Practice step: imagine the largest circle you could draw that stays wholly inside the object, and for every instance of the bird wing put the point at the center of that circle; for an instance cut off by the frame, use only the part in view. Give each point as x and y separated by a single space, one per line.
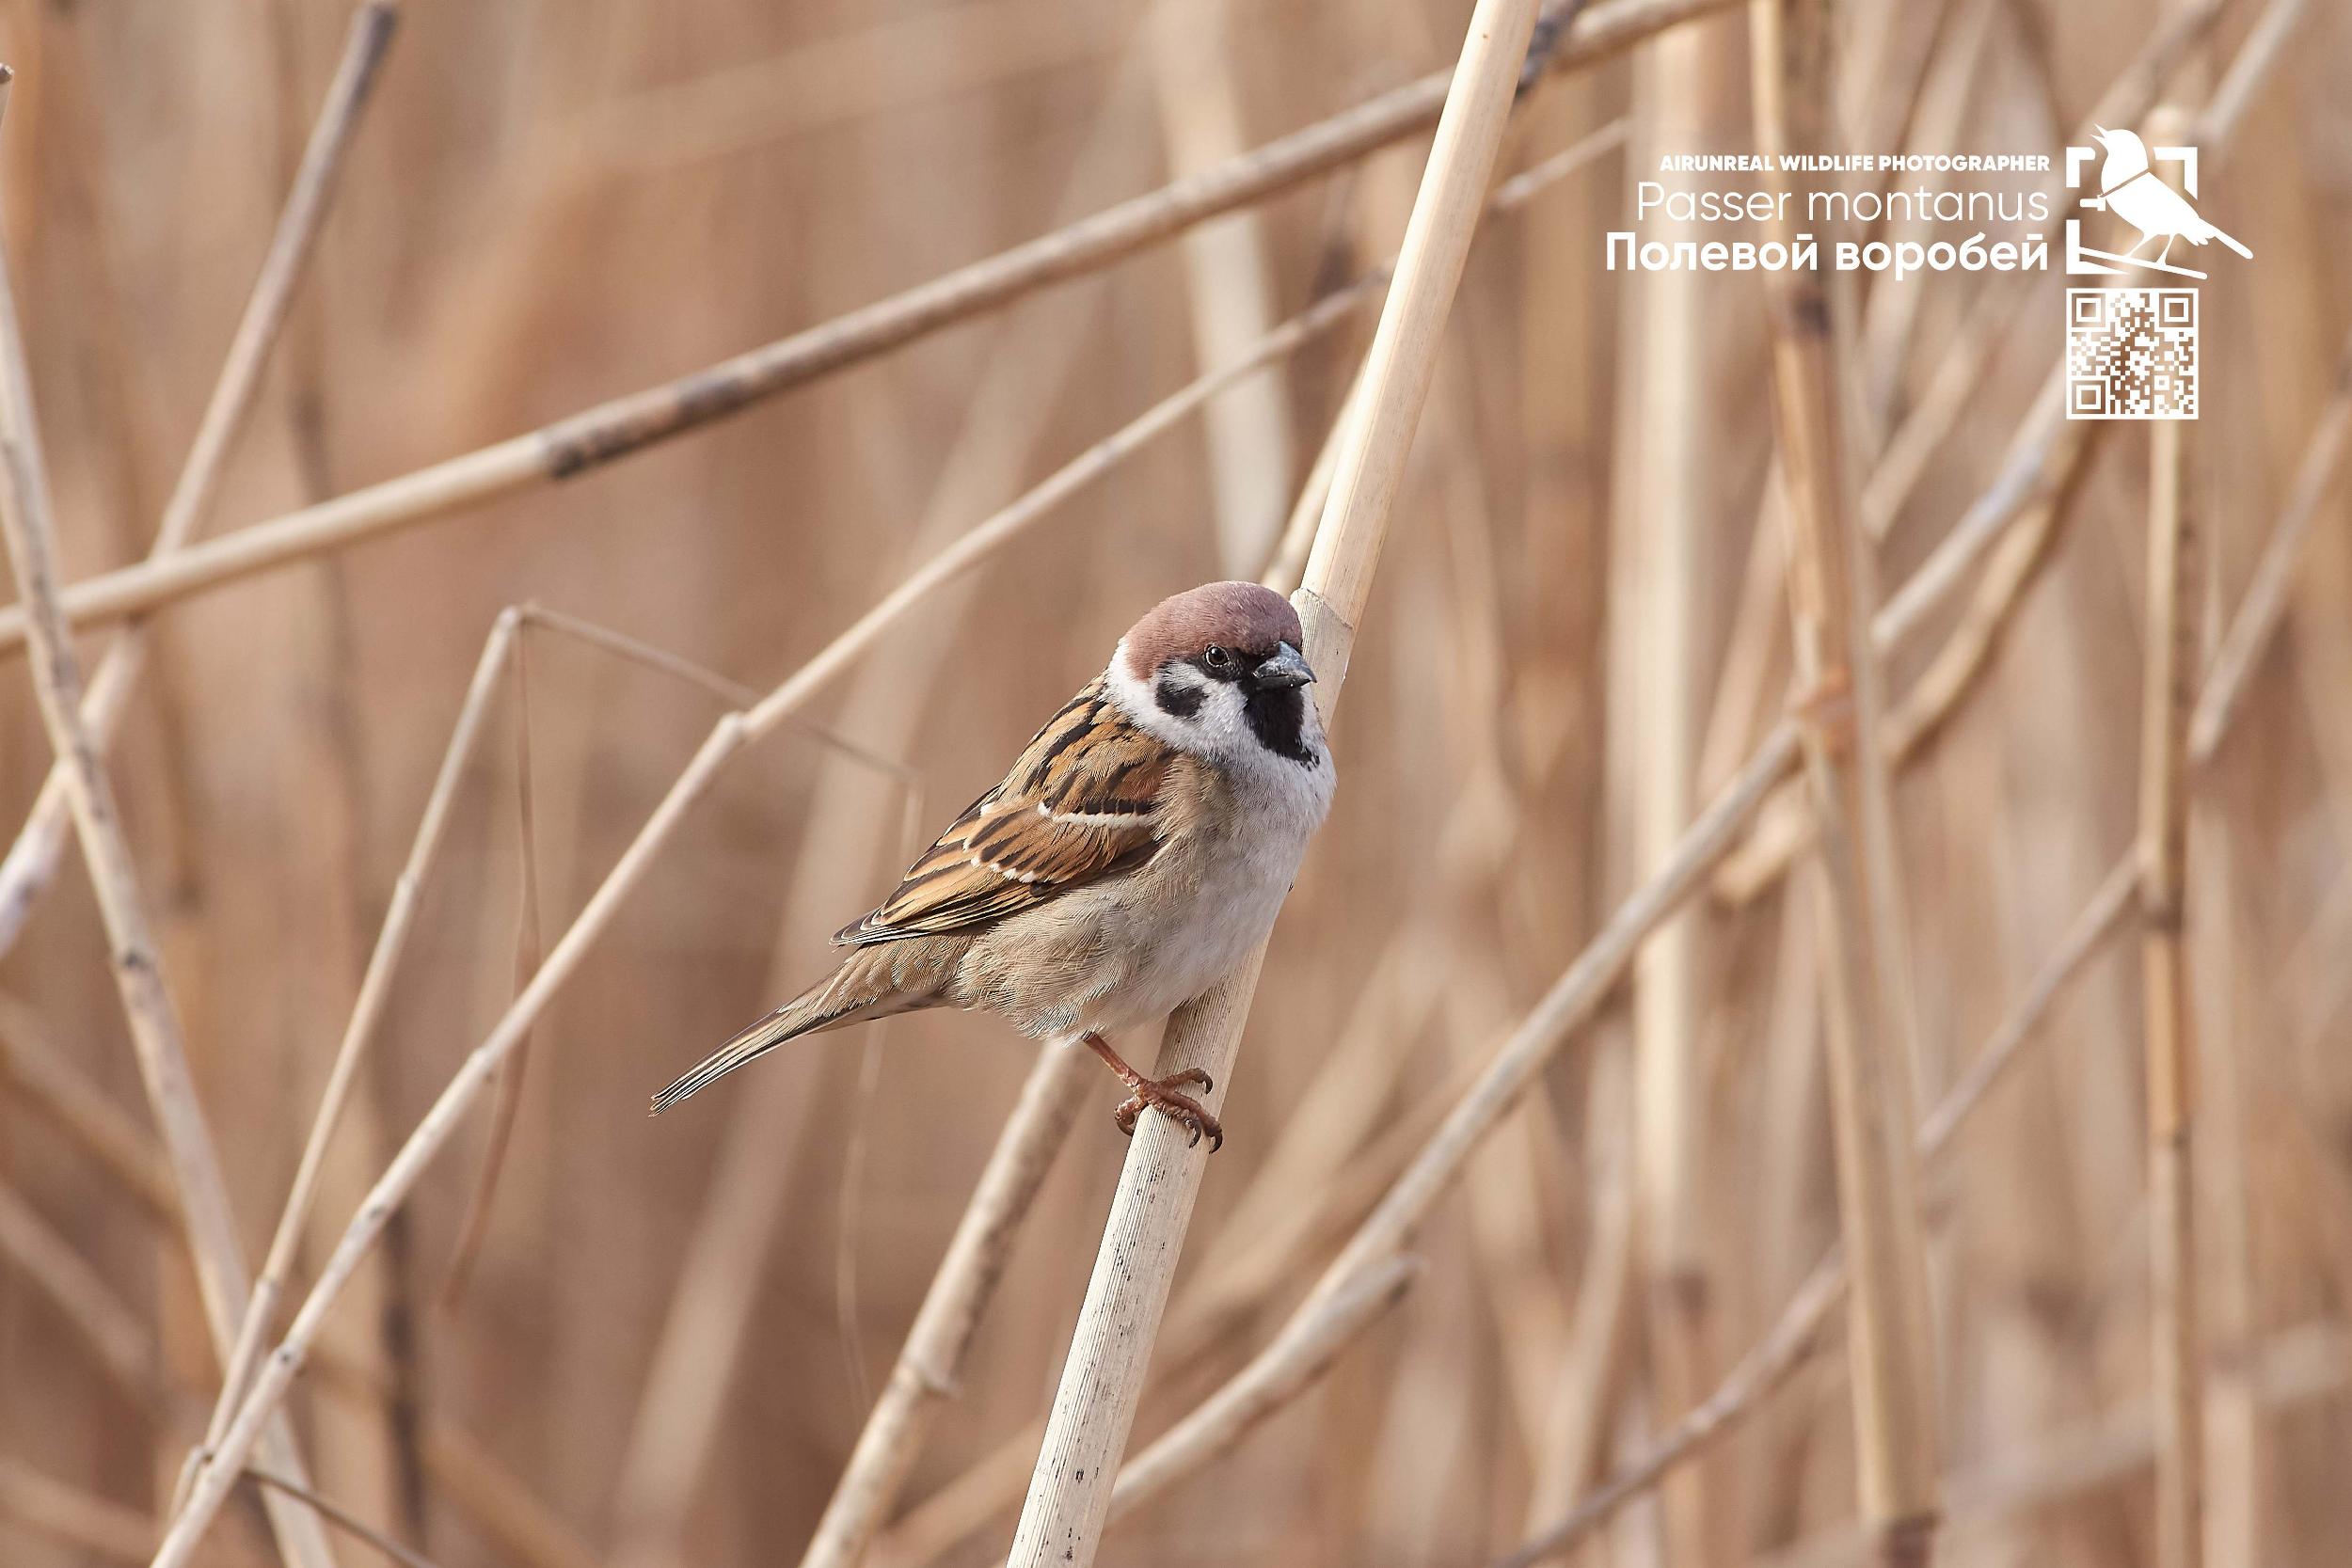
1082 801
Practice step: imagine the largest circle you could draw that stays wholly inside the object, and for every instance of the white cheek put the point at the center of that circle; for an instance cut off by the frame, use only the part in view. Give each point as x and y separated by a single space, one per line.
1222 724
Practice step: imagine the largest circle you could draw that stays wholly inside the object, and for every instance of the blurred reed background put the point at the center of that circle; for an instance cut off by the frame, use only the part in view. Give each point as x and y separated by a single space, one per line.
663 1337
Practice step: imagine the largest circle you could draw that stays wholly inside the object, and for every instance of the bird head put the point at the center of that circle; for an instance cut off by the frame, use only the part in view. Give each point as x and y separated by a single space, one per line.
1218 672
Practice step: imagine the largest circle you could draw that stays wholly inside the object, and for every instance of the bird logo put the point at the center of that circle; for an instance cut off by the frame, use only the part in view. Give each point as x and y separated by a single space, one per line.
2130 188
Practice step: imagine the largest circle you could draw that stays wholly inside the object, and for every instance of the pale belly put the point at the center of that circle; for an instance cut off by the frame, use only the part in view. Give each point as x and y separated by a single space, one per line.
1117 957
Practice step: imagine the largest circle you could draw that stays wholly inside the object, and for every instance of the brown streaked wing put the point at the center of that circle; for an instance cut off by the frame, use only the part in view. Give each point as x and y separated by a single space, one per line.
1081 802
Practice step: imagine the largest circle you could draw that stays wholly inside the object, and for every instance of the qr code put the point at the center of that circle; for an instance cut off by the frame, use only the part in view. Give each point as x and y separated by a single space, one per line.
2131 354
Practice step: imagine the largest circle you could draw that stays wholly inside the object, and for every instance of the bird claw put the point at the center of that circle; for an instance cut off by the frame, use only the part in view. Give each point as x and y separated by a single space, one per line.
1181 1108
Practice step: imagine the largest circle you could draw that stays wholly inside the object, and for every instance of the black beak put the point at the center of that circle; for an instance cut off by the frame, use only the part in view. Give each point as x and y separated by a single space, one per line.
1284 669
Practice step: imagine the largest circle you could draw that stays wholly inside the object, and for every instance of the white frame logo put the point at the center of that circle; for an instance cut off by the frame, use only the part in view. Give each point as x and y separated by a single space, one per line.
2129 187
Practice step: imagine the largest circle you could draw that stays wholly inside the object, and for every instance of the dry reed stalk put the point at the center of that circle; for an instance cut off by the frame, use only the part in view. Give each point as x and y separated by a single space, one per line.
1967 648
1320 1150
2034 472
1228 292
903 62
736 730
367 1014
1288 564
1264 1387
1102 1381
1950 390
47 1079
33 859
2296 1366
1866 982
2174 548
466 1474
2263 603
80 1521
931 1366
1937 111
1743 697
2258 54
1755 648
1662 613
211 1224
506 1513
1585 1386
1797 1331
1784 1347
341 1518
1509 1194
529 943
623 425
116 1337
2236 1009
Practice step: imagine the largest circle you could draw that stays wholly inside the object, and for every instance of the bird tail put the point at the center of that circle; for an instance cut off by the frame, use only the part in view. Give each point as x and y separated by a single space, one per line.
834 1001
2233 244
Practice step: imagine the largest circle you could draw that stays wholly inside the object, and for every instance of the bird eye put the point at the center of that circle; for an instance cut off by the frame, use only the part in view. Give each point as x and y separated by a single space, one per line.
1216 658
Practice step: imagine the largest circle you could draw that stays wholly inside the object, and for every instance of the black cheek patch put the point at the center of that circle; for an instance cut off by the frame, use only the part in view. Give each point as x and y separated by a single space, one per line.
1181 700
1278 715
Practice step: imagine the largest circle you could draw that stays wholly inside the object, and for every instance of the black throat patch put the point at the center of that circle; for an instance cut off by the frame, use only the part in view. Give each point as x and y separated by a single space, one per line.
1278 717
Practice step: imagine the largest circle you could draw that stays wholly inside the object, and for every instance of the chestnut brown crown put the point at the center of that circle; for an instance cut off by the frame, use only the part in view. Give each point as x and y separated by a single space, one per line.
1245 618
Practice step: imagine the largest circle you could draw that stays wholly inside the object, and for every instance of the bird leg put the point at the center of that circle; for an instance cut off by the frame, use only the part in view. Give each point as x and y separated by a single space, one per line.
2167 248
1160 1094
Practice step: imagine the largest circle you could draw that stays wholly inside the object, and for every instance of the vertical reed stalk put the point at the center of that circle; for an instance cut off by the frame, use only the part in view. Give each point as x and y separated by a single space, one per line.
1070 1494
1865 992
1226 290
2167 694
1687 87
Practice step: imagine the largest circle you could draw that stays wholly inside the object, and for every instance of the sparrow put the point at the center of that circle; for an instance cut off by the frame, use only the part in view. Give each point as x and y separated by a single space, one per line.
2130 189
1137 852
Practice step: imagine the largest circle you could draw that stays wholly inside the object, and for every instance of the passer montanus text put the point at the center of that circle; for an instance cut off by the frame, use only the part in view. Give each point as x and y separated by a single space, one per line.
1135 853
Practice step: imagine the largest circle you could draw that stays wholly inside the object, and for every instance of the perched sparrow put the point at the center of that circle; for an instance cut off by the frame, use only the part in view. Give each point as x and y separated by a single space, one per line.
1135 853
